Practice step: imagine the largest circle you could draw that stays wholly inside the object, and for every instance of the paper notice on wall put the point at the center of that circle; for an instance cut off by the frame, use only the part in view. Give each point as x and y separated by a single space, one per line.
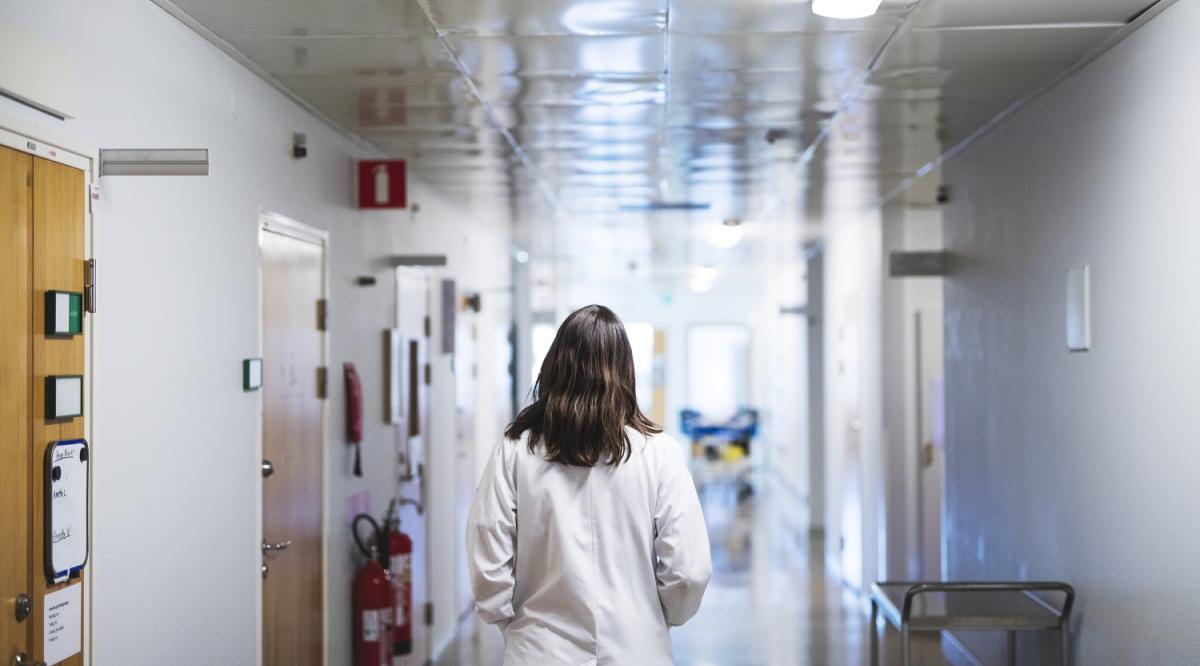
63 624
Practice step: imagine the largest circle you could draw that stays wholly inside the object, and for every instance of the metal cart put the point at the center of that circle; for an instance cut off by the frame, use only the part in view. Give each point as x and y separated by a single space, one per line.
973 606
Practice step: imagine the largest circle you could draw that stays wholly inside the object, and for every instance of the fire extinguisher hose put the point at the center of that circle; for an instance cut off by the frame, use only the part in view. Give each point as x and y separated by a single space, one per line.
372 552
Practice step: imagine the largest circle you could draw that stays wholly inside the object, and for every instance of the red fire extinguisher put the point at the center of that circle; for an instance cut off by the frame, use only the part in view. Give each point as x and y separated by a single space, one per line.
373 599
399 550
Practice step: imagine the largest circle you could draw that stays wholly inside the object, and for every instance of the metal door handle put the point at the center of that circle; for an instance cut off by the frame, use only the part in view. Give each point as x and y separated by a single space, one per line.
268 468
22 659
282 545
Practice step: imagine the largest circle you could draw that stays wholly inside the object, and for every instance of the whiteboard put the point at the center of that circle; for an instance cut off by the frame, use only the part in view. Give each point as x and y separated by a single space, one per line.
66 508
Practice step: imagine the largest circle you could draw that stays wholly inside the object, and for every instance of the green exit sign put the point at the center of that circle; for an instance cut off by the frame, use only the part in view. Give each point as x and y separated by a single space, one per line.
64 313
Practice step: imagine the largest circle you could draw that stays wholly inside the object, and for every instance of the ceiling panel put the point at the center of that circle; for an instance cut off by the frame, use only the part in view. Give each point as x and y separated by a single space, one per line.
569 55
774 52
969 13
233 19
766 16
532 17
345 56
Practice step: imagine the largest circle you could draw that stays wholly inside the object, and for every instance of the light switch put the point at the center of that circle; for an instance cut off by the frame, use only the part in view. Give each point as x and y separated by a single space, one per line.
251 374
64 397
1079 309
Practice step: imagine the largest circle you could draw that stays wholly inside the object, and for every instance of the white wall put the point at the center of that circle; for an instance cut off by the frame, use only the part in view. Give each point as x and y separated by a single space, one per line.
853 394
909 228
175 536
1082 467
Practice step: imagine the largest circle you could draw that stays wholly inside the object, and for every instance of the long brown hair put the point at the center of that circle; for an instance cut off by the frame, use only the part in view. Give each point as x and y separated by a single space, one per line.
585 395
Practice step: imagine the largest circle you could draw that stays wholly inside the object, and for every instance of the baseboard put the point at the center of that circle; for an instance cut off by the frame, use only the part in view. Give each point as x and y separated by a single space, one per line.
956 653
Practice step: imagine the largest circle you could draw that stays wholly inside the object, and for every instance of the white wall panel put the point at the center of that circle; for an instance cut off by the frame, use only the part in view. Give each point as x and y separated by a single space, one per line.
1082 467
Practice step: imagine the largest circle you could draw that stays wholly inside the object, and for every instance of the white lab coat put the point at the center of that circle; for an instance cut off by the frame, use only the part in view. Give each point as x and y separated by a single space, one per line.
582 565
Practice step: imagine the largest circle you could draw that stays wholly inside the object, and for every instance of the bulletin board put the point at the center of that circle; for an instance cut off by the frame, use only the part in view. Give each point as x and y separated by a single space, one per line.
66 506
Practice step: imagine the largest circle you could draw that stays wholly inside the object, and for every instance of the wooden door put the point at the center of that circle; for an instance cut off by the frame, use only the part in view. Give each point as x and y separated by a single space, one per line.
16 386
293 440
58 264
41 248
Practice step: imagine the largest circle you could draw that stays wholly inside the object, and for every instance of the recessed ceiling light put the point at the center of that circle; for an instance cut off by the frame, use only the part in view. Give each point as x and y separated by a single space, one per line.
845 9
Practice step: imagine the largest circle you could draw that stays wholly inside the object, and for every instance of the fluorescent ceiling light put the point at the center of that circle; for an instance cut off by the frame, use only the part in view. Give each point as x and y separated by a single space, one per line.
845 9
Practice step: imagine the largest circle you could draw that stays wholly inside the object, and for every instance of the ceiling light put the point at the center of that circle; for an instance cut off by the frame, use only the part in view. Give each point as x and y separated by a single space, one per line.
702 279
845 9
727 235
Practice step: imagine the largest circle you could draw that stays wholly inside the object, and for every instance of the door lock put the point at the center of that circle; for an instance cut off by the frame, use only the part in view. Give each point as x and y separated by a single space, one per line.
24 606
268 468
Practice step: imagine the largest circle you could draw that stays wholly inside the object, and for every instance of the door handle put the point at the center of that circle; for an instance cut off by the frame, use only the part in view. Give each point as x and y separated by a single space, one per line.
22 659
282 545
268 468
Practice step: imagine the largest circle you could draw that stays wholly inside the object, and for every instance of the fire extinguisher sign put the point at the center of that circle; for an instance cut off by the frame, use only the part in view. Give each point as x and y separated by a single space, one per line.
382 184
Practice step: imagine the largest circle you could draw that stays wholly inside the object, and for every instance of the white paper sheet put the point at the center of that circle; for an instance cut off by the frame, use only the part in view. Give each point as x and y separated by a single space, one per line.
64 624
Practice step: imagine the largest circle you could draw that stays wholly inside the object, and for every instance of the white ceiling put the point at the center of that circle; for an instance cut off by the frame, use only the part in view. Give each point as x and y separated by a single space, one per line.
566 110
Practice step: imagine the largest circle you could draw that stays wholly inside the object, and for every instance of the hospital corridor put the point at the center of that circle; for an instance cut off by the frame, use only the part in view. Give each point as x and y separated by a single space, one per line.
599 332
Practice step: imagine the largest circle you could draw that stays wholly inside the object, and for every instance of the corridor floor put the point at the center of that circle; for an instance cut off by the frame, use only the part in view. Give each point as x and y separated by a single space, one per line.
770 602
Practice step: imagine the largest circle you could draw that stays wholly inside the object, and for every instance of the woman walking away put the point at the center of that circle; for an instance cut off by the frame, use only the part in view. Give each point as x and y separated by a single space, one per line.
585 541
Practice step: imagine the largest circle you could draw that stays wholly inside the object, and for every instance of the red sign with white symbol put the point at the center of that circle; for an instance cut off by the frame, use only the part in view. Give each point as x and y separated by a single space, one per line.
381 184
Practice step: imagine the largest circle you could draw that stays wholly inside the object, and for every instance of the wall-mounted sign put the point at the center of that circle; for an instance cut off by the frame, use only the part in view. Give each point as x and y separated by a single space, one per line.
62 624
382 184
64 313
252 374
64 397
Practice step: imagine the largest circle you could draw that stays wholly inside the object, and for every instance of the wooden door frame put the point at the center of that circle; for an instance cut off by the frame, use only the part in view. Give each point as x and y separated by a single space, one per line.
38 140
272 222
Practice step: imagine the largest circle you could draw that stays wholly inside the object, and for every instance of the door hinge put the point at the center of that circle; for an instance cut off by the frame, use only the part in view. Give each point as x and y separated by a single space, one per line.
89 286
428 326
322 314
429 613
322 382
428 374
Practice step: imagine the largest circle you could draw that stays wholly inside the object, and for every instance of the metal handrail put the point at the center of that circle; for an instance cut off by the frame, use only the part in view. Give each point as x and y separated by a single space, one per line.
991 586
